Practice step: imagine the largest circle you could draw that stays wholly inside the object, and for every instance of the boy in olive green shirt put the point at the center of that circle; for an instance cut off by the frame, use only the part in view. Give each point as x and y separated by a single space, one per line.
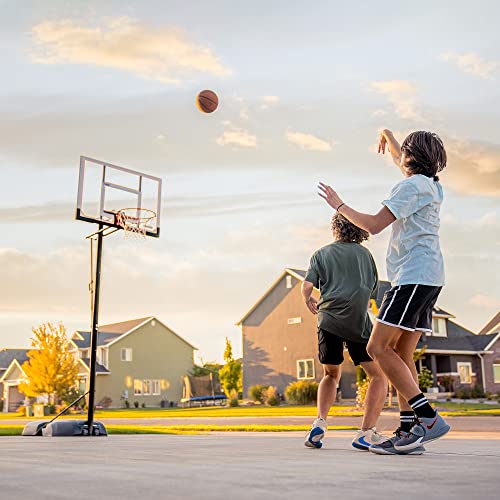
346 276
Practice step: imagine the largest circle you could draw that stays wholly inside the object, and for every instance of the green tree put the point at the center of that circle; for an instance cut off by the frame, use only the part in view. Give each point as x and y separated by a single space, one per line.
51 369
230 375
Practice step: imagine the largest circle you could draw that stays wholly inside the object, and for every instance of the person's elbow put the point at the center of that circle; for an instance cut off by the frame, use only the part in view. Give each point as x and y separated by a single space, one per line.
374 227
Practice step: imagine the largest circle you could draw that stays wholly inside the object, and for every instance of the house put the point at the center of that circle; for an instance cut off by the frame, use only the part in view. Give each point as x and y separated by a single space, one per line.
11 374
493 326
280 344
138 360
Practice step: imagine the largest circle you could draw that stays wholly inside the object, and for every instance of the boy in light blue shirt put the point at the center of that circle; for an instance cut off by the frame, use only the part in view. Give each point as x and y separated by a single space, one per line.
415 269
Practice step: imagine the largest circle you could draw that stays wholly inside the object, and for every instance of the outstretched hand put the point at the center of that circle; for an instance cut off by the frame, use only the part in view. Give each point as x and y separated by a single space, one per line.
329 195
382 143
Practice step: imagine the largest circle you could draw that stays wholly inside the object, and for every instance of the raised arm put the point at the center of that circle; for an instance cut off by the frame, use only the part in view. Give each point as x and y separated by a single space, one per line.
371 223
388 140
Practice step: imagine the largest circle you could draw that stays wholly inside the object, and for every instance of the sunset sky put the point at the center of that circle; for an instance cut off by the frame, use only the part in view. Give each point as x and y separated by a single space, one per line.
304 90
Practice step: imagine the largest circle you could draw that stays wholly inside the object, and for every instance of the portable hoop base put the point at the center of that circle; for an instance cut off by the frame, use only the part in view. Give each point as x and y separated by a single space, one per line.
64 428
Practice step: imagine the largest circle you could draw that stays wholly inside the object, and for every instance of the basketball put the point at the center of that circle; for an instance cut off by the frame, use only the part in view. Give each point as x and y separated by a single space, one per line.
207 101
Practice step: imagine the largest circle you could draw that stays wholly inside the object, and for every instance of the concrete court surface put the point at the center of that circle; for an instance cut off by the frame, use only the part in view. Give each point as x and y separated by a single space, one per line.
244 466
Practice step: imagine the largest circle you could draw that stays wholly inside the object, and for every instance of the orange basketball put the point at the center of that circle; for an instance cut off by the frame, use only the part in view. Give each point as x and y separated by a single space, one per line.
207 101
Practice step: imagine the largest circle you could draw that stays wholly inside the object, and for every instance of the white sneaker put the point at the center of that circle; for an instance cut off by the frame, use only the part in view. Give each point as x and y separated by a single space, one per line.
365 439
316 434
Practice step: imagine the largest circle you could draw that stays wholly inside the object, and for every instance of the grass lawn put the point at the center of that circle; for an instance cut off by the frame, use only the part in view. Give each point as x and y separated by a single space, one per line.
241 411
15 430
450 409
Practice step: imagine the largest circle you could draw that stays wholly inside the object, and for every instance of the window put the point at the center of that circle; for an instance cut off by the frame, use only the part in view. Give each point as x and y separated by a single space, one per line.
146 387
465 372
126 354
156 387
294 321
104 357
305 368
137 387
496 373
439 327
289 281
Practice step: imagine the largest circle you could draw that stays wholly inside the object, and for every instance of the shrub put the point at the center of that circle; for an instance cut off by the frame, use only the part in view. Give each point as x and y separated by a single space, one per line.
127 403
362 388
105 402
302 392
143 405
463 393
271 396
257 393
233 398
477 391
136 404
425 379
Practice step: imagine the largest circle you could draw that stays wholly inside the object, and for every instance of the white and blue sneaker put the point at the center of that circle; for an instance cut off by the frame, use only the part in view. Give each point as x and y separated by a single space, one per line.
364 440
424 431
316 434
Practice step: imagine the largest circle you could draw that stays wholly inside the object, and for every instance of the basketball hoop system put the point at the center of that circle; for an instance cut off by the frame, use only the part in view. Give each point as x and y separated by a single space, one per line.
135 225
102 189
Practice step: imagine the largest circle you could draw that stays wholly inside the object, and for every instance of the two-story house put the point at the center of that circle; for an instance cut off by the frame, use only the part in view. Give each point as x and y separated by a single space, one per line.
138 360
280 343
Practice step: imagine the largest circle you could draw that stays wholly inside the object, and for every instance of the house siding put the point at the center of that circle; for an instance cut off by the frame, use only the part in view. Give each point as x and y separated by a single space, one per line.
272 347
489 361
157 354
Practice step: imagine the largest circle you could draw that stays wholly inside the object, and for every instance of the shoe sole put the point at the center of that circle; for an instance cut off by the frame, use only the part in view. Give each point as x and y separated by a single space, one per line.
381 451
360 447
409 447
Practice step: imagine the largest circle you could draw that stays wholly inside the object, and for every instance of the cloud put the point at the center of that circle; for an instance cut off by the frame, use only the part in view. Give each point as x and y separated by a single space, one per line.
308 141
237 137
473 64
270 99
402 95
473 167
165 54
487 301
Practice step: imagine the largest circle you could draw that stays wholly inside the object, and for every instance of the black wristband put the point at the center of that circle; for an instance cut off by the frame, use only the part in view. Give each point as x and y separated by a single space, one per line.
338 208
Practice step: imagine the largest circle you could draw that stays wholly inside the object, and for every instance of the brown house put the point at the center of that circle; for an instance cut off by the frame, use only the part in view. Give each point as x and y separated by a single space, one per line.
280 339
280 345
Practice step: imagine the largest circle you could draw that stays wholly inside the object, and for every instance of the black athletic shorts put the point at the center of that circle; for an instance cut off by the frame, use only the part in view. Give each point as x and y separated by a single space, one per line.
331 349
409 307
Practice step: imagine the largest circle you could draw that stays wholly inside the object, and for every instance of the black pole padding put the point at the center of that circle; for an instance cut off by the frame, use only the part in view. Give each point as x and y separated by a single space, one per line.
94 333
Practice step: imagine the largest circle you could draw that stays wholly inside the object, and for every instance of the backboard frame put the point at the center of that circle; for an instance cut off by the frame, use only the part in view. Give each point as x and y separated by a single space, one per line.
108 217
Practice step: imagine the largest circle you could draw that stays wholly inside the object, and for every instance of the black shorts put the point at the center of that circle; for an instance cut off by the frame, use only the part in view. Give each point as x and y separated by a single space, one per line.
409 307
331 349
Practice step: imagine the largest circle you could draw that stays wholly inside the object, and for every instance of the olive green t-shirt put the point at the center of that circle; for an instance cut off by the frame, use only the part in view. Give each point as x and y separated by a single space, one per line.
347 278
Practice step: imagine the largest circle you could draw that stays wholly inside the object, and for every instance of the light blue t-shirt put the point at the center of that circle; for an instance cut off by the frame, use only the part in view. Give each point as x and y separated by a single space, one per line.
414 255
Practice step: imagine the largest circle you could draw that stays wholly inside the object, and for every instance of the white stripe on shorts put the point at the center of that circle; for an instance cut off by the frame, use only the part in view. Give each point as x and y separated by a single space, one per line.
407 304
390 304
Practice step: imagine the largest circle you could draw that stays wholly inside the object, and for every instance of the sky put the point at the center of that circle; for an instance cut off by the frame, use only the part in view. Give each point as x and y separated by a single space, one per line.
304 93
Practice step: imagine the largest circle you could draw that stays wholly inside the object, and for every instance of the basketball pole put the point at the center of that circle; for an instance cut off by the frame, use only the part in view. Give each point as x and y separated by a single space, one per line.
94 330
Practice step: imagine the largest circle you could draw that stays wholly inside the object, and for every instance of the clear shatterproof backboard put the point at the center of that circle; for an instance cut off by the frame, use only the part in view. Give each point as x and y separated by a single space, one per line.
104 189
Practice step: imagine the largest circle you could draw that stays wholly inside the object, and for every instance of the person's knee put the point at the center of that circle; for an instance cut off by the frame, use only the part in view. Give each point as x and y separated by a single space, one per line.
374 349
332 371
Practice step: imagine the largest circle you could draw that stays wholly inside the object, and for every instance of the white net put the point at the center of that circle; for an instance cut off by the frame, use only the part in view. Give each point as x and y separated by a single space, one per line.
137 225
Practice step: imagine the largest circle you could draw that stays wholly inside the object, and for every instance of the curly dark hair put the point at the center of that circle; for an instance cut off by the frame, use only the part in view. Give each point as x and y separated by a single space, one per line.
346 231
424 153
